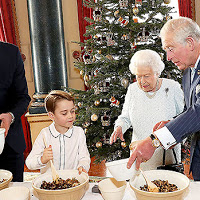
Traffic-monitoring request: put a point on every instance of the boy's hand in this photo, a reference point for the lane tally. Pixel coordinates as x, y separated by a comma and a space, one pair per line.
47, 155
81, 169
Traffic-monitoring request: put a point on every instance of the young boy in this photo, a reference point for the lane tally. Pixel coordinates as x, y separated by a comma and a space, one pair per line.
67, 143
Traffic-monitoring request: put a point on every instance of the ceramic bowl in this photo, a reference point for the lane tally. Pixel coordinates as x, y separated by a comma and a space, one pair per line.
16, 193
111, 189
119, 170
2, 139
74, 193
5, 174
176, 178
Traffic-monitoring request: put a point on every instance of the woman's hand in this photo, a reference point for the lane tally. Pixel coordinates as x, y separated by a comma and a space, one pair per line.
117, 133
81, 169
47, 155
160, 125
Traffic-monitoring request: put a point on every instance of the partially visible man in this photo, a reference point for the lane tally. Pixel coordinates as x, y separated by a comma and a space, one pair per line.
181, 41
14, 100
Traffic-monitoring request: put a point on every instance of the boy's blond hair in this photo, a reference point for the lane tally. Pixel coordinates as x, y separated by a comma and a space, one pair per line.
53, 97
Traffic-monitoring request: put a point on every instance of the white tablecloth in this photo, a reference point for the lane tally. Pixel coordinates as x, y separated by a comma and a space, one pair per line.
193, 192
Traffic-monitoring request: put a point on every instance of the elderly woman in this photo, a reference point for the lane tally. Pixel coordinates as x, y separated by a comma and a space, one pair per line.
149, 100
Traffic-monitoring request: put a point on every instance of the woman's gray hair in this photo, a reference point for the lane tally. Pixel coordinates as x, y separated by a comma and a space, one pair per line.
147, 58
182, 28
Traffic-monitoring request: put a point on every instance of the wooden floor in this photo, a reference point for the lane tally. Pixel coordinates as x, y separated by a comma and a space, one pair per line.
100, 169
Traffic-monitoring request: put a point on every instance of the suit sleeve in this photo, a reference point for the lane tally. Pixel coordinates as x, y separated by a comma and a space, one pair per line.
19, 88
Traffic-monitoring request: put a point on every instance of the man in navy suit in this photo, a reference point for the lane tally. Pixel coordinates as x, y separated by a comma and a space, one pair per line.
14, 100
181, 41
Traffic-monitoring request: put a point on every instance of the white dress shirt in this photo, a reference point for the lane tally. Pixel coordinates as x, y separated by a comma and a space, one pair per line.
69, 149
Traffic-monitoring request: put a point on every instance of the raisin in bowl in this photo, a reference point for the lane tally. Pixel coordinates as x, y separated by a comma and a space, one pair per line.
167, 177
73, 188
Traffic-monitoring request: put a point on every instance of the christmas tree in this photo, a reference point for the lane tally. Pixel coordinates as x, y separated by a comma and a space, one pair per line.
117, 30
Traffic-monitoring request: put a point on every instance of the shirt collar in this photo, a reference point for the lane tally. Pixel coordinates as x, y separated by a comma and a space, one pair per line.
198, 59
55, 133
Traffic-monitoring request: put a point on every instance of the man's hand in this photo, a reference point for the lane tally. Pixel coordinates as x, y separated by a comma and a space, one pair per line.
142, 151
117, 133
6, 120
47, 155
160, 125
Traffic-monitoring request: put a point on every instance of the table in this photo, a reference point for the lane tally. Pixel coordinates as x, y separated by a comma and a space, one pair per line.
193, 192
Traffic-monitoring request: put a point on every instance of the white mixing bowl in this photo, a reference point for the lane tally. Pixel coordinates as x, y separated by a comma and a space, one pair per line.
119, 170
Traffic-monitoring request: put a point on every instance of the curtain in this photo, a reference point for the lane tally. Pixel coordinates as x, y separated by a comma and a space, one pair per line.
9, 33
82, 13
187, 8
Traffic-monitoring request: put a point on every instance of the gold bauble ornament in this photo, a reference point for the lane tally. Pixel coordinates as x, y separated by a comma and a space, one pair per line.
167, 1
96, 103
94, 117
79, 104
85, 130
86, 78
123, 144
135, 10
98, 144
81, 72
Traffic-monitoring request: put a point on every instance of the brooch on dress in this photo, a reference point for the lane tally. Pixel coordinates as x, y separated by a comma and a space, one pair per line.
166, 90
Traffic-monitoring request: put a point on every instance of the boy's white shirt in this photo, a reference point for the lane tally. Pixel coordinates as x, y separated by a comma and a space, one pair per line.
69, 149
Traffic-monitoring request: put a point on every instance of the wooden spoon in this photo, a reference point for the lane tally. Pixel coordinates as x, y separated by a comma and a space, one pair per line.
151, 186
55, 175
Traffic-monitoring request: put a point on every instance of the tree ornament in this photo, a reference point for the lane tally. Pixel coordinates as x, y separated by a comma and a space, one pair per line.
98, 144
124, 82
105, 120
167, 1
135, 10
109, 57
125, 37
114, 102
116, 13
143, 36
138, 2
86, 78
123, 144
85, 130
81, 72
87, 58
97, 14
76, 107
95, 72
123, 4
77, 55
96, 103
123, 21
168, 17
94, 117
110, 39
135, 19
86, 124
79, 104
103, 86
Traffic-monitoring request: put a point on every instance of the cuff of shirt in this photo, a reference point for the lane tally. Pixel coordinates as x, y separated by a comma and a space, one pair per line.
40, 162
165, 137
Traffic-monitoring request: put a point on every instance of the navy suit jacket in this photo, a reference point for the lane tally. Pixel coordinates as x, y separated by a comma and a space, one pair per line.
188, 122
13, 93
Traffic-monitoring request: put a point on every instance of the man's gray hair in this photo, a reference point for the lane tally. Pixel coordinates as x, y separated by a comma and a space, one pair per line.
147, 58
182, 28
